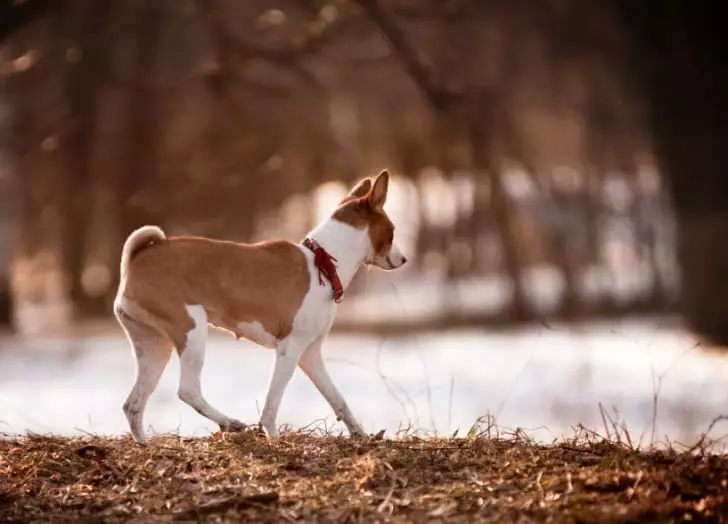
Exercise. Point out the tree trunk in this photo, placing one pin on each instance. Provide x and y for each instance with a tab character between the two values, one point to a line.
563	252
481	129
85	21
141	137
679	51
6	305
25	131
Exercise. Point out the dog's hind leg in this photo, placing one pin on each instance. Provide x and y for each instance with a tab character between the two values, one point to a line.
151	351
191	358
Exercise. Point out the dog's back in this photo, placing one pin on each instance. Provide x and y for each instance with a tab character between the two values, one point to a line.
237	284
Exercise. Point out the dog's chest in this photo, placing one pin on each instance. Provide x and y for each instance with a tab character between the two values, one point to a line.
257	330
316	314
313	319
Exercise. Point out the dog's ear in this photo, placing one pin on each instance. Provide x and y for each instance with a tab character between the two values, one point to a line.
359	190
378	194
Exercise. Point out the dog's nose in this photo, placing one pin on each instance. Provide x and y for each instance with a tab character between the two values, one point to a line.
404	260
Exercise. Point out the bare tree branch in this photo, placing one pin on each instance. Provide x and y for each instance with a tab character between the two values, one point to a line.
416	69
105	73
319	37
223	81
230	50
436	94
321	33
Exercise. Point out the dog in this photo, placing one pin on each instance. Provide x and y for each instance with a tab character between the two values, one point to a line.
278	294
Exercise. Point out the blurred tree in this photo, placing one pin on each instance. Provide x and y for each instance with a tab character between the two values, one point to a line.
6	304
85	52
473	112
15	14
484	68
35	117
206	116
141	128
681	58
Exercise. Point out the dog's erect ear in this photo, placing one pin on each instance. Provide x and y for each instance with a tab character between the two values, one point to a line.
378	194
358	191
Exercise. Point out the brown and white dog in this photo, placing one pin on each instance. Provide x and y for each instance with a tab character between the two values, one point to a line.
277	293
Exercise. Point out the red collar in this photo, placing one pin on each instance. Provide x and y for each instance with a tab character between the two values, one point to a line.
324	262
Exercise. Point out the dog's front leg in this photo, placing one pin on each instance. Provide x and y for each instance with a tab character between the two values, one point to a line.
312	363
285	365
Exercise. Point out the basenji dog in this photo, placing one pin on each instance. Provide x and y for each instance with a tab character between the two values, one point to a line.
278	294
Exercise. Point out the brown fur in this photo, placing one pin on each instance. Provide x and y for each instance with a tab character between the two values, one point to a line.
253	290
235	283
228	279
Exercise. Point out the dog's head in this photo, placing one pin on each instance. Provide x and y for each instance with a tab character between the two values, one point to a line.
363	208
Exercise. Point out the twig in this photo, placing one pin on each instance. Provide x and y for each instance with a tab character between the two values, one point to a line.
657	388
449	404
440	448
591	433
701	442
539	487
578	450
388	384
512	387
428	385
628	436
604	421
87	433
382	506
392	386
569	485
235	502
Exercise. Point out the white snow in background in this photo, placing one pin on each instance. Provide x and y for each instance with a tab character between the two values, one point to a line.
546	380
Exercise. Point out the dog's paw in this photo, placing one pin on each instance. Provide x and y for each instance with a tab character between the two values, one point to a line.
234	426
139	440
270	432
379	435
358	433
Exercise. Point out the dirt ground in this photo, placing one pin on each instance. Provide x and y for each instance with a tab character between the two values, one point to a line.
308	477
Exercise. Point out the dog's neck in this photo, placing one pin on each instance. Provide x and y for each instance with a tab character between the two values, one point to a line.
349	245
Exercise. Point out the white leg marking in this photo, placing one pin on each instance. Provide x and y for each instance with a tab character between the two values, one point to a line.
191	359
151	352
285	364
312	363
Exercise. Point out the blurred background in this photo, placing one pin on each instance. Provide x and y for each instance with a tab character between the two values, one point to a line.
559	186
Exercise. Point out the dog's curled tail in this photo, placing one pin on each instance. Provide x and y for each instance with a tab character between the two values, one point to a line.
136	241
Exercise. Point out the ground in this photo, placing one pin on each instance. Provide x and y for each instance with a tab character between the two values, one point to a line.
305	476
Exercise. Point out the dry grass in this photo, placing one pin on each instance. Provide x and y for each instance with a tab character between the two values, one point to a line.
308	477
